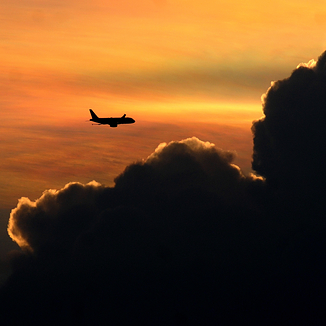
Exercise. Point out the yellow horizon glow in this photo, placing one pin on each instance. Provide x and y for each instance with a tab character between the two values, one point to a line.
180	68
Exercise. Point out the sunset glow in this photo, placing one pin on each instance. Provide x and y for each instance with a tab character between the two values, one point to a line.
179	68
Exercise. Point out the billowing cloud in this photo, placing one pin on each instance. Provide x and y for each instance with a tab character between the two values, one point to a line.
172	171
289	141
56	218
171	220
188	164
184	237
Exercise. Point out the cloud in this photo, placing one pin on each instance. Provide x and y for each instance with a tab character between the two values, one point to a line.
170	220
289	152
184	237
289	141
56	218
188	164
59	216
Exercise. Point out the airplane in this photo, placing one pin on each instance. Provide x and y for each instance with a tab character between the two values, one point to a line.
113	122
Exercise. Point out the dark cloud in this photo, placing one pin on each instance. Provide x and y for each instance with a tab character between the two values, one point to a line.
184	237
56	218
172	171
143	251
289	141
185	165
289	151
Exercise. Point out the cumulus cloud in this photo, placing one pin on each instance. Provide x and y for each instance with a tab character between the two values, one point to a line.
184	237
173	170
167	217
56	218
189	164
289	141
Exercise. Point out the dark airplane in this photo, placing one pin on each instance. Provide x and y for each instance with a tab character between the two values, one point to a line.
113	122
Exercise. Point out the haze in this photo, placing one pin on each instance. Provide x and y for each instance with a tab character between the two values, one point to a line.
181	69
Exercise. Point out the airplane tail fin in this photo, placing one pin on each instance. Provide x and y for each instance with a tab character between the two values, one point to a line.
94	116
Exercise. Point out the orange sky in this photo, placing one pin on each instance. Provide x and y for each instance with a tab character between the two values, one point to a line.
179	68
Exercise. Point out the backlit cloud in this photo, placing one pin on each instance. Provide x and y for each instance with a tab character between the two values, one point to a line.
148	224
289	141
57	218
184	237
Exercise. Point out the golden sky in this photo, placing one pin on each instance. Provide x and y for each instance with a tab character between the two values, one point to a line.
179	68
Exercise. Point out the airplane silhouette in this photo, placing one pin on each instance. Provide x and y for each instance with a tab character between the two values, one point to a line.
113	122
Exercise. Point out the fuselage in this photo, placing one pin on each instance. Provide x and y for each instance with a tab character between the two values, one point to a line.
109	121
112	122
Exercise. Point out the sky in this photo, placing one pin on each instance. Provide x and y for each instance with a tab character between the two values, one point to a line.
167	207
179	68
